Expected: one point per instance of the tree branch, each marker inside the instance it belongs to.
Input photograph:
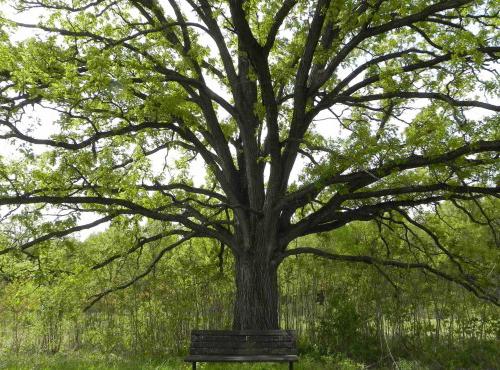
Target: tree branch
(96, 298)
(470, 286)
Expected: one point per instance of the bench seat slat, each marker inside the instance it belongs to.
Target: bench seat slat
(242, 351)
(243, 332)
(235, 346)
(231, 358)
(243, 338)
(242, 344)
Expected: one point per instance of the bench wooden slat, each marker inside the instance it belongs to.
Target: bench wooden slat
(242, 338)
(242, 351)
(243, 332)
(255, 358)
(252, 344)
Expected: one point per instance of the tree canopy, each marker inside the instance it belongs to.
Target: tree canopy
(307, 115)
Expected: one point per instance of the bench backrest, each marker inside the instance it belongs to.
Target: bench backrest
(243, 342)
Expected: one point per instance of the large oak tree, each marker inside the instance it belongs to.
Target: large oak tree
(307, 115)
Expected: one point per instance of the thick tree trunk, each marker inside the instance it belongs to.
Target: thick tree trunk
(256, 304)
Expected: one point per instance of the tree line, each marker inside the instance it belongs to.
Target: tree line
(366, 313)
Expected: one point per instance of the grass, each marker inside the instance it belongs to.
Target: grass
(476, 356)
(78, 361)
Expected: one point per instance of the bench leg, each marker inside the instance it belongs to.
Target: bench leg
(290, 365)
(194, 365)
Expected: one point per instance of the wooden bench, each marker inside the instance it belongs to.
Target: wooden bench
(243, 346)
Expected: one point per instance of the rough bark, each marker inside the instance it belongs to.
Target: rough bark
(256, 303)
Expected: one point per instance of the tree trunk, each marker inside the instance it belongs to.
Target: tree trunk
(256, 304)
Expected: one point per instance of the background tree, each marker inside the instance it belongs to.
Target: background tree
(307, 115)
(399, 318)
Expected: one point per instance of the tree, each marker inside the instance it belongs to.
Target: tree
(406, 92)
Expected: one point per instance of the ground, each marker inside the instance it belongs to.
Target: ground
(74, 361)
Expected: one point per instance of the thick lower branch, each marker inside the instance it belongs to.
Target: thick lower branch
(392, 263)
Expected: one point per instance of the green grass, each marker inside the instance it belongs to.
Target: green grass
(474, 356)
(78, 361)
